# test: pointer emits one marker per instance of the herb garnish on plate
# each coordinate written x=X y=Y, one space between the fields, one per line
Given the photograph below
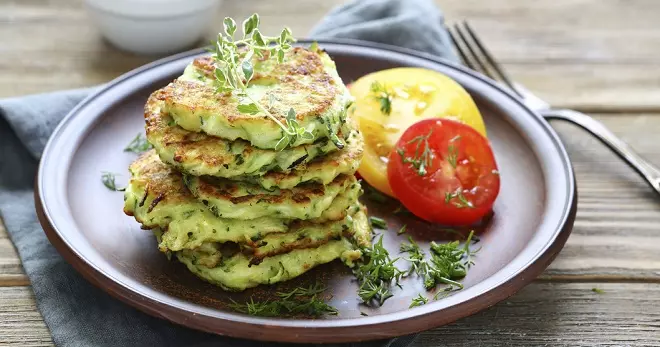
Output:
x=300 y=300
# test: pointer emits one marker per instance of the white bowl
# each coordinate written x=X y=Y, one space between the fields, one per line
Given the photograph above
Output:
x=153 y=26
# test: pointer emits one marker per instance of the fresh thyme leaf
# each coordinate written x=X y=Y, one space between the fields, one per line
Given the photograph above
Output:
x=138 y=145
x=378 y=222
x=383 y=96
x=229 y=26
x=418 y=301
x=251 y=108
x=299 y=301
x=597 y=290
x=234 y=70
x=376 y=273
x=363 y=314
x=422 y=160
x=402 y=230
x=108 y=179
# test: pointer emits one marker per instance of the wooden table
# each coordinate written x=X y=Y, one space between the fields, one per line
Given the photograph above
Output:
x=598 y=56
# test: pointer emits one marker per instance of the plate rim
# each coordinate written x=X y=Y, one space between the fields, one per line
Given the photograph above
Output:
x=321 y=332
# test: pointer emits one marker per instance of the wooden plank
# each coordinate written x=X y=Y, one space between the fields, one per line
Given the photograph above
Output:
x=542 y=313
x=20 y=322
x=606 y=60
x=616 y=232
x=561 y=314
x=11 y=271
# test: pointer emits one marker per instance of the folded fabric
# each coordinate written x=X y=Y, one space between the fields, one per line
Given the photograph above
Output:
x=76 y=312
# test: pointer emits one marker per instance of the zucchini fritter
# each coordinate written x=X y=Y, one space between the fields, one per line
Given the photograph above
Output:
x=237 y=271
x=157 y=197
x=241 y=200
x=201 y=154
x=307 y=81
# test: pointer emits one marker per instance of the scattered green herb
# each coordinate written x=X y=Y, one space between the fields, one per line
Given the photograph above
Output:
x=597 y=290
x=298 y=301
x=441 y=294
x=316 y=288
x=448 y=262
x=462 y=202
x=234 y=70
x=452 y=152
x=402 y=230
x=375 y=274
x=417 y=263
x=138 y=145
x=108 y=179
x=419 y=300
x=422 y=160
x=383 y=96
x=378 y=223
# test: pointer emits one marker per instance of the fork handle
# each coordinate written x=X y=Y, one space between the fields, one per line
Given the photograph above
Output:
x=648 y=171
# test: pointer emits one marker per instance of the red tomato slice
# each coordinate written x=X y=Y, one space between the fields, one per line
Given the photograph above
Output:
x=444 y=172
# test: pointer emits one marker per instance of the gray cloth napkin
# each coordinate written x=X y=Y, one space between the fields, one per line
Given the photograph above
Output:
x=76 y=312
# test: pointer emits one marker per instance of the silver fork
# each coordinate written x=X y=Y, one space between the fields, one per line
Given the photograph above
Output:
x=474 y=55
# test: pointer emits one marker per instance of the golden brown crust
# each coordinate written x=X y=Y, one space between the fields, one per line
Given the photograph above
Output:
x=301 y=73
x=233 y=191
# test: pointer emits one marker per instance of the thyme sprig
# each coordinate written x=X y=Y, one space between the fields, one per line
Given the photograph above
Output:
x=383 y=96
x=138 y=145
x=234 y=70
x=300 y=300
x=422 y=159
x=108 y=179
x=376 y=275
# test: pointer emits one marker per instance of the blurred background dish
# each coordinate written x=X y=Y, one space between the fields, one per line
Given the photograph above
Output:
x=153 y=26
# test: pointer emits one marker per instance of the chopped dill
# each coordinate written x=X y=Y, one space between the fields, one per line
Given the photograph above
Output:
x=419 y=300
x=298 y=301
x=376 y=273
x=383 y=96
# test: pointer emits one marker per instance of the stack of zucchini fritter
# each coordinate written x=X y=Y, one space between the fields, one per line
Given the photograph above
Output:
x=236 y=211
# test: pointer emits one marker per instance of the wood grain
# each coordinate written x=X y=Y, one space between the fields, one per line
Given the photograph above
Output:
x=596 y=59
x=542 y=313
x=11 y=271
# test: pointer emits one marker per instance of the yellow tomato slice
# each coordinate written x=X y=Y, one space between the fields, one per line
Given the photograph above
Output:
x=414 y=94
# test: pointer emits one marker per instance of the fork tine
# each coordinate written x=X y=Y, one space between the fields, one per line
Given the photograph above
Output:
x=466 y=60
x=489 y=58
x=483 y=65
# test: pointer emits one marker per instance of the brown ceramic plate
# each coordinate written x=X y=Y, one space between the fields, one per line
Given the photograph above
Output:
x=534 y=213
